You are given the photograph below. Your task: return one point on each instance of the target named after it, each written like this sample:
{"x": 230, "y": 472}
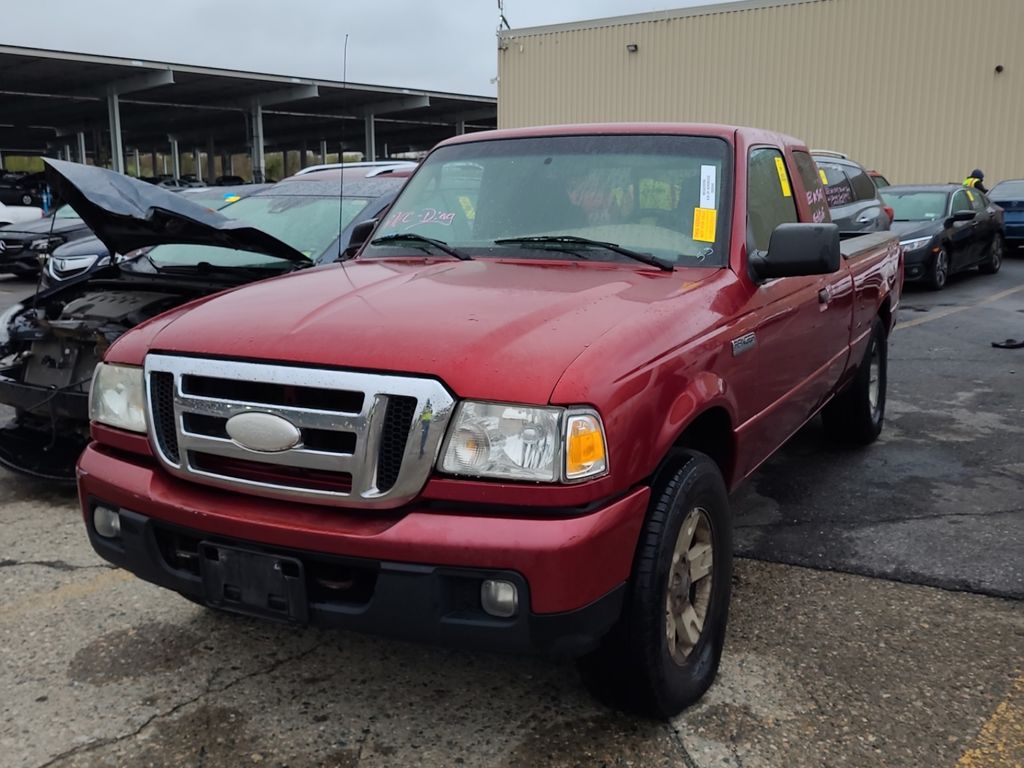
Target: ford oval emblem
{"x": 263, "y": 432}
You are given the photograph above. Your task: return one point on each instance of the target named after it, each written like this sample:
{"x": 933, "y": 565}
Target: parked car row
{"x": 49, "y": 347}
{"x": 21, "y": 188}
{"x": 510, "y": 417}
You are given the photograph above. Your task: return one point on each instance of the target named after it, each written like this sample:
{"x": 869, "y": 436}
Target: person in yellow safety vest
{"x": 975, "y": 179}
{"x": 426, "y": 417}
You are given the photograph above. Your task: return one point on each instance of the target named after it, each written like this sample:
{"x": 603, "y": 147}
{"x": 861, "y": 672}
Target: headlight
{"x": 118, "y": 397}
{"x": 917, "y": 242}
{"x": 518, "y": 442}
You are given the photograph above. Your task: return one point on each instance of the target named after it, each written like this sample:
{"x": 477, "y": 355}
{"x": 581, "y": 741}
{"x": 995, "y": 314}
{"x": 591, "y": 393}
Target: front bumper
{"x": 63, "y": 404}
{"x": 24, "y": 263}
{"x": 417, "y": 572}
{"x": 917, "y": 263}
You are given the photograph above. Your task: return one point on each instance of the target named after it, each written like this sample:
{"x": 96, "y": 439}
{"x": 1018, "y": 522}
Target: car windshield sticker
{"x": 708, "y": 182}
{"x": 824, "y": 178}
{"x": 705, "y": 221}
{"x": 780, "y": 166}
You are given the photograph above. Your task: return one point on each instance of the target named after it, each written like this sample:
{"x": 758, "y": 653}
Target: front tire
{"x": 994, "y": 261}
{"x": 856, "y": 415}
{"x": 664, "y": 653}
{"x": 938, "y": 275}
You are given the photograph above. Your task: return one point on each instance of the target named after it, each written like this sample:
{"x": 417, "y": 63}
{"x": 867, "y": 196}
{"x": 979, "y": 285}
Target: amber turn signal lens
{"x": 585, "y": 452}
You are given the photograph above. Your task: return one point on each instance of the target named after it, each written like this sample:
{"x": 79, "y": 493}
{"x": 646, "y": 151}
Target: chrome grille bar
{"x": 366, "y": 427}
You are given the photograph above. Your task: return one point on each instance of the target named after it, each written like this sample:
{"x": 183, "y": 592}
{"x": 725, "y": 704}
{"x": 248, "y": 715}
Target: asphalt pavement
{"x": 877, "y": 618}
{"x": 938, "y": 500}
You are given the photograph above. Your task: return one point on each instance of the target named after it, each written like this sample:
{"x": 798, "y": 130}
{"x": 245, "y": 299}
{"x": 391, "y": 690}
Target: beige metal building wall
{"x": 905, "y": 86}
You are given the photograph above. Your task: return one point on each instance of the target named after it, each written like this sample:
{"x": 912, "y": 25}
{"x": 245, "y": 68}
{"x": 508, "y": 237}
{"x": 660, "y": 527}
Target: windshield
{"x": 916, "y": 206}
{"x": 65, "y": 212}
{"x": 1008, "y": 190}
{"x": 663, "y": 196}
{"x": 310, "y": 224}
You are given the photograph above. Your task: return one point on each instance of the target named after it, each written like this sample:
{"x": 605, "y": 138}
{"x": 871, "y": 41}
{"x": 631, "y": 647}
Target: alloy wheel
{"x": 690, "y": 579}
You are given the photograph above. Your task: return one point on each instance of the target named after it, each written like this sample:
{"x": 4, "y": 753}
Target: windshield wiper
{"x": 646, "y": 258}
{"x": 424, "y": 243}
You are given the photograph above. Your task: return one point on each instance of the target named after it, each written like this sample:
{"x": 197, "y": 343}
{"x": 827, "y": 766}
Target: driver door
{"x": 963, "y": 238}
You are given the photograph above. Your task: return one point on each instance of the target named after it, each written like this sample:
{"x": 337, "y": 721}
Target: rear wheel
{"x": 938, "y": 275}
{"x": 26, "y": 199}
{"x": 663, "y": 654}
{"x": 994, "y": 261}
{"x": 857, "y": 414}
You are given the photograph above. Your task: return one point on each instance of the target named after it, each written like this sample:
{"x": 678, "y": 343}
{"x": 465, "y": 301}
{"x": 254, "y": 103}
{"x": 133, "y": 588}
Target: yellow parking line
{"x": 47, "y": 601}
{"x": 955, "y": 310}
{"x": 1000, "y": 743}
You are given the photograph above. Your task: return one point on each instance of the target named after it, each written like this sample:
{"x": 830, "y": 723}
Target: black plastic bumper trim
{"x": 421, "y": 603}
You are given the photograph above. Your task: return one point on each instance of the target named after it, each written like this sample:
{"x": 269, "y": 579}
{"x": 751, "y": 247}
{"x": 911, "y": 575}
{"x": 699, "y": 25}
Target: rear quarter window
{"x": 838, "y": 189}
{"x": 863, "y": 187}
{"x": 814, "y": 191}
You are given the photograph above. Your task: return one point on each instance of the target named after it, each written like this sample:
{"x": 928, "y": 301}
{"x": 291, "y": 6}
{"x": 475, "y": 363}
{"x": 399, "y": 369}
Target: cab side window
{"x": 979, "y": 203}
{"x": 815, "y": 193}
{"x": 960, "y": 202}
{"x": 769, "y": 197}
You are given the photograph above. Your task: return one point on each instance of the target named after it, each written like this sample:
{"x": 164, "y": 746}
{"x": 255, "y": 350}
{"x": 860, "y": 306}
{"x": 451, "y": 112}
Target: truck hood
{"x": 126, "y": 214}
{"x": 488, "y": 329}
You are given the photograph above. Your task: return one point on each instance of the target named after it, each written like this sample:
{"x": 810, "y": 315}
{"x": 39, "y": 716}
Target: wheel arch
{"x": 710, "y": 431}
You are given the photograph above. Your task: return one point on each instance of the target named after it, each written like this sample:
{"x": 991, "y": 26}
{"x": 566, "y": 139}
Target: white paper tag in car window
{"x": 708, "y": 181}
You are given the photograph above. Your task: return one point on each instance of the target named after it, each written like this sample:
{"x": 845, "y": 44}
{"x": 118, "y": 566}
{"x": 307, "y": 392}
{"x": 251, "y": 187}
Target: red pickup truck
{"x": 512, "y": 421}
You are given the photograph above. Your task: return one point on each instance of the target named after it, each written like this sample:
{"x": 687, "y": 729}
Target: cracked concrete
{"x": 820, "y": 669}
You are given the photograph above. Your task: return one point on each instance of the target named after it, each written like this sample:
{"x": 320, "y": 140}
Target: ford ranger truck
{"x": 512, "y": 421}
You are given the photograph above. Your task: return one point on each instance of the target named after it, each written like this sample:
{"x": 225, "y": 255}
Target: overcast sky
{"x": 443, "y": 45}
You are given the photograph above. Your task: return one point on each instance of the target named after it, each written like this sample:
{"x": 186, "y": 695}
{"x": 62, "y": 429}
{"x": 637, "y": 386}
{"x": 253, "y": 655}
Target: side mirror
{"x": 797, "y": 250}
{"x": 961, "y": 217}
{"x": 360, "y": 232}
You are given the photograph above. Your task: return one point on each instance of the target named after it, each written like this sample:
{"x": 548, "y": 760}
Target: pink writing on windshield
{"x": 426, "y": 216}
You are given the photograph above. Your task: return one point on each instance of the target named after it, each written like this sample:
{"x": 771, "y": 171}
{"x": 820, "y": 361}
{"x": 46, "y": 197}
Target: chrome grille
{"x": 357, "y": 448}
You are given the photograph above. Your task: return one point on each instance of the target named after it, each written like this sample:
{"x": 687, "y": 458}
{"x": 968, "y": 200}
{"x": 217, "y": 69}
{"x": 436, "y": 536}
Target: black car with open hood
{"x": 176, "y": 250}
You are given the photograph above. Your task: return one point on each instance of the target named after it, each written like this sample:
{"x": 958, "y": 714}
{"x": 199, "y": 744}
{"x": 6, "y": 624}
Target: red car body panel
{"x": 544, "y": 550}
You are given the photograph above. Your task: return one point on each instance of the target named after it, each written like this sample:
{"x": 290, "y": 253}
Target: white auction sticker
{"x": 708, "y": 180}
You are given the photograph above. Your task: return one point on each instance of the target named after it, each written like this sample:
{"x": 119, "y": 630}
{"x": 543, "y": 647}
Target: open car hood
{"x": 125, "y": 214}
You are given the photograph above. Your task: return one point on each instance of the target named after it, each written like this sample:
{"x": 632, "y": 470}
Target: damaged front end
{"x": 46, "y": 367}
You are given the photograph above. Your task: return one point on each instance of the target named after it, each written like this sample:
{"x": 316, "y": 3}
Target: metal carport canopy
{"x": 55, "y": 99}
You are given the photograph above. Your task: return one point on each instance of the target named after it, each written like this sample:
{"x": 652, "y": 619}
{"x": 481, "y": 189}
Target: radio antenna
{"x": 341, "y": 153}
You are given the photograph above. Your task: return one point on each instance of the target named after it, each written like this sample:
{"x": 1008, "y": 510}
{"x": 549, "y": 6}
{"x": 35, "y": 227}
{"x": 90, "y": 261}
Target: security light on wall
{"x": 632, "y": 47}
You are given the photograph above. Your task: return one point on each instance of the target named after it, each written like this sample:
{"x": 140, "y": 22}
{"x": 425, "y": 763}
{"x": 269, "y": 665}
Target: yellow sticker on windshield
{"x": 970, "y": 195}
{"x": 780, "y": 166}
{"x": 705, "y": 222}
{"x": 467, "y": 207}
{"x": 824, "y": 178}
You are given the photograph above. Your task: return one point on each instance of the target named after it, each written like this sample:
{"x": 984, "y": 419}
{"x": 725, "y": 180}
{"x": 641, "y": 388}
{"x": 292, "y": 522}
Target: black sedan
{"x": 1009, "y": 195}
{"x": 945, "y": 229}
{"x": 23, "y": 245}
{"x": 18, "y": 192}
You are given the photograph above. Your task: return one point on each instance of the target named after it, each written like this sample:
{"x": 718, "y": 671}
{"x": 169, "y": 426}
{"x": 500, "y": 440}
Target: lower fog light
{"x": 107, "y": 522}
{"x": 499, "y": 598}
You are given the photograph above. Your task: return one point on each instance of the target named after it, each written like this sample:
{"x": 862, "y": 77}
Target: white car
{"x": 18, "y": 214}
